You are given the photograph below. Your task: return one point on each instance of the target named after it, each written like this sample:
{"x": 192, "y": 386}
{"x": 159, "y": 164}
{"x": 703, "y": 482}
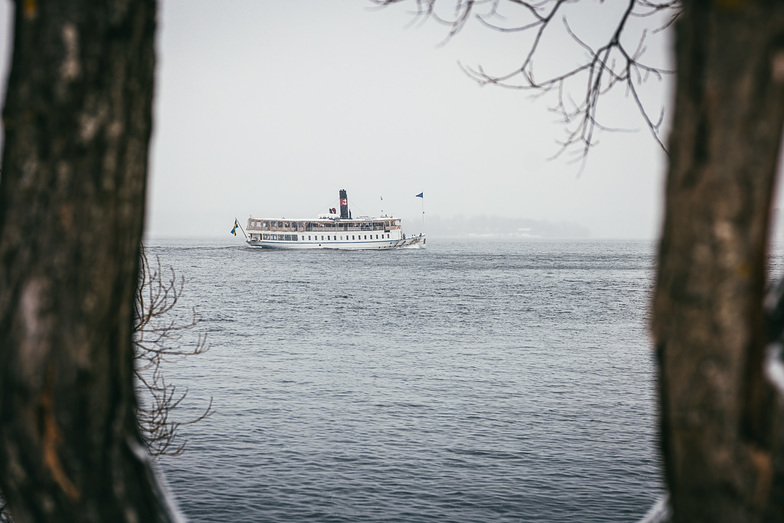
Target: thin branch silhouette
{"x": 602, "y": 69}
{"x": 158, "y": 337}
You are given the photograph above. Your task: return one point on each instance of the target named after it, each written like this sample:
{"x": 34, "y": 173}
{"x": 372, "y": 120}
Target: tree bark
{"x": 721, "y": 447}
{"x": 77, "y": 121}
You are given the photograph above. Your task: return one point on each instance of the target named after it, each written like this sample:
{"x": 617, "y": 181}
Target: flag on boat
{"x": 234, "y": 229}
{"x": 421, "y": 195}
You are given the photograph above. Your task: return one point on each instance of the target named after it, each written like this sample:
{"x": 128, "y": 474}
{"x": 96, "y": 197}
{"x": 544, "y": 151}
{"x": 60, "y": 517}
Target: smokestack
{"x": 344, "y": 214}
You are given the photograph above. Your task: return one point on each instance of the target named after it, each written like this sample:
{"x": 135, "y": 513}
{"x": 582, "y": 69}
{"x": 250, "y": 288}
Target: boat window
{"x": 328, "y": 237}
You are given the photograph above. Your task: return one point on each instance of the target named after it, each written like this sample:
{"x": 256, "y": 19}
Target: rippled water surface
{"x": 473, "y": 381}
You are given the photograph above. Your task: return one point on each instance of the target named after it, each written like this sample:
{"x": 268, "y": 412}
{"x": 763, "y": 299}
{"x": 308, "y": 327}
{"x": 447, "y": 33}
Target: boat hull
{"x": 366, "y": 245}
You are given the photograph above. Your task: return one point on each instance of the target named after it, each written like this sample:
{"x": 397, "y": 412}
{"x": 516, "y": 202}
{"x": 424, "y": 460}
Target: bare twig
{"x": 158, "y": 337}
{"x": 602, "y": 69}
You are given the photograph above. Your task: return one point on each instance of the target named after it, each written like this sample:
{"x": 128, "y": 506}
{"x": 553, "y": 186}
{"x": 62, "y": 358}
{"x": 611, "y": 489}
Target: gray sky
{"x": 268, "y": 107}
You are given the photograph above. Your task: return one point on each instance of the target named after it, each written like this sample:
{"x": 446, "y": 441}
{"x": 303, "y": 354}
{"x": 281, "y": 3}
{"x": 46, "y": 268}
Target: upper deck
{"x": 324, "y": 225}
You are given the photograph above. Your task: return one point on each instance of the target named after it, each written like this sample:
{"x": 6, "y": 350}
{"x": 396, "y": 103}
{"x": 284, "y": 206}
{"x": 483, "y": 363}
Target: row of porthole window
{"x": 329, "y": 237}
{"x": 345, "y": 237}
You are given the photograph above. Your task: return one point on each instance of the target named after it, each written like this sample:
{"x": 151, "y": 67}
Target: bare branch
{"x": 603, "y": 68}
{"x": 158, "y": 338}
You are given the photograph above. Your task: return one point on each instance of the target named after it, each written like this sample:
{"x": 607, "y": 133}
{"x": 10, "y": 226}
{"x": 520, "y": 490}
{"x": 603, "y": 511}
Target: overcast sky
{"x": 269, "y": 107}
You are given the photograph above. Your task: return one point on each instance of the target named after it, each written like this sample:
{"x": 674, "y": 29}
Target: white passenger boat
{"x": 331, "y": 231}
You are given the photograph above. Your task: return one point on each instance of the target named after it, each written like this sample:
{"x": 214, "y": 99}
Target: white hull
{"x": 366, "y": 245}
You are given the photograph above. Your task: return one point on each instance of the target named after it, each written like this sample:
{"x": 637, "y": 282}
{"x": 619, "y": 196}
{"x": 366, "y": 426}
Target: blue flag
{"x": 420, "y": 195}
{"x": 234, "y": 229}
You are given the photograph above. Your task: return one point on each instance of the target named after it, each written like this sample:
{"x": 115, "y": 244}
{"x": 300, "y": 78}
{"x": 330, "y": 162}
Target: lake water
{"x": 472, "y": 381}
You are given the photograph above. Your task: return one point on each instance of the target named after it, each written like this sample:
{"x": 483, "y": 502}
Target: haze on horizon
{"x": 269, "y": 108}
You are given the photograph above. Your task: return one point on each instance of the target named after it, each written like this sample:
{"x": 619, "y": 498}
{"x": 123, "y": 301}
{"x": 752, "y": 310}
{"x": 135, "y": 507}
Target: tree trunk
{"x": 720, "y": 447}
{"x": 77, "y": 121}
